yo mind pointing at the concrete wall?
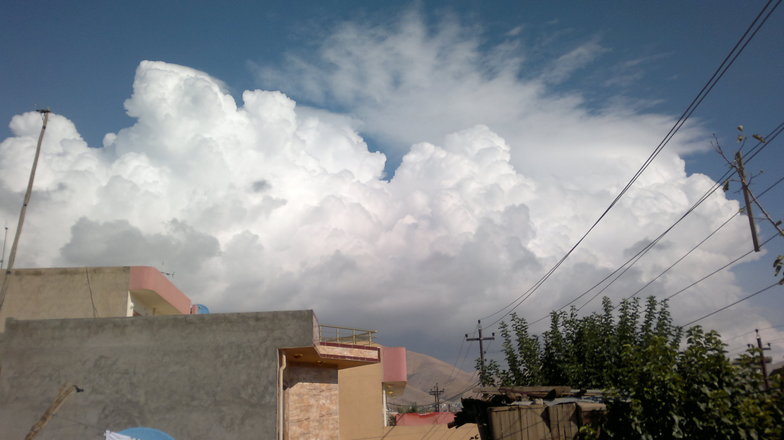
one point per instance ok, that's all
(66, 293)
(193, 376)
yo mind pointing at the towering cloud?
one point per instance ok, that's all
(262, 205)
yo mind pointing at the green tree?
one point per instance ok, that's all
(522, 354)
(490, 376)
(554, 352)
(658, 387)
(695, 393)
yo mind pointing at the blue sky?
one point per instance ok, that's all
(81, 62)
(646, 58)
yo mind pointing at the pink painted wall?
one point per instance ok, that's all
(149, 278)
(433, 418)
(393, 361)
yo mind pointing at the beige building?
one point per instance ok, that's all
(90, 292)
(324, 382)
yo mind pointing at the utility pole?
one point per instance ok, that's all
(436, 393)
(762, 360)
(747, 199)
(5, 238)
(26, 201)
(481, 349)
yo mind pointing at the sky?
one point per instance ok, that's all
(409, 167)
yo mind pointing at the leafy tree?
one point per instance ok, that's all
(695, 393)
(658, 387)
(554, 356)
(513, 374)
(528, 352)
(491, 375)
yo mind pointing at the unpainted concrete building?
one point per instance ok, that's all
(143, 360)
(90, 292)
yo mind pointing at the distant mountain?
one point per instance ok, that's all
(424, 372)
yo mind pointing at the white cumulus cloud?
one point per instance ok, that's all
(262, 205)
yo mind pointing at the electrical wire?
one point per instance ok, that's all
(720, 269)
(730, 305)
(454, 364)
(728, 61)
(726, 222)
(637, 257)
(756, 150)
(726, 265)
(752, 331)
(623, 268)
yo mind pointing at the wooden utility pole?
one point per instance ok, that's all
(747, 199)
(436, 393)
(26, 201)
(481, 348)
(762, 360)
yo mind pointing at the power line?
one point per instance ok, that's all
(752, 331)
(633, 260)
(458, 359)
(753, 152)
(719, 269)
(728, 61)
(700, 243)
(726, 222)
(465, 390)
(730, 305)
(736, 259)
(637, 257)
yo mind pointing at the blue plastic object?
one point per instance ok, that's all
(142, 433)
(201, 309)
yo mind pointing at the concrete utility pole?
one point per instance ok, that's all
(481, 348)
(747, 199)
(762, 360)
(26, 201)
(436, 393)
(5, 238)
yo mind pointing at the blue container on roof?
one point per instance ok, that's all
(142, 433)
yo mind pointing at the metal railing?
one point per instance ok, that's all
(346, 335)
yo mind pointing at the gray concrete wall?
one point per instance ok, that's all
(66, 293)
(193, 376)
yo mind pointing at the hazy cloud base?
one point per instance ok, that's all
(261, 205)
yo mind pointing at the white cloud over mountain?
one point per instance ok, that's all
(260, 204)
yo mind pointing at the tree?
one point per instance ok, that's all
(658, 387)
(522, 354)
(694, 393)
(554, 357)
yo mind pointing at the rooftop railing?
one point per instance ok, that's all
(346, 335)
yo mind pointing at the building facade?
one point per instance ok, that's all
(90, 292)
(142, 360)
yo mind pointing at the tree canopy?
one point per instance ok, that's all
(659, 384)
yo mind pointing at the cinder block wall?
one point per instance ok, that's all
(193, 376)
